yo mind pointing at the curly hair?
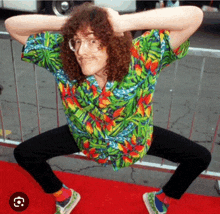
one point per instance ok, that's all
(118, 48)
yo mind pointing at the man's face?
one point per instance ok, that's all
(90, 56)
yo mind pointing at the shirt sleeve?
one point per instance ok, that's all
(153, 50)
(43, 49)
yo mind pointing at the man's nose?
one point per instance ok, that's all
(83, 48)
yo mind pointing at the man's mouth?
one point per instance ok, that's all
(86, 60)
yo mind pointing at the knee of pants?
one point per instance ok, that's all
(22, 157)
(205, 158)
(18, 155)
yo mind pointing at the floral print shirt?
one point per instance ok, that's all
(114, 124)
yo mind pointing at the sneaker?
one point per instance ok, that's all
(149, 200)
(67, 209)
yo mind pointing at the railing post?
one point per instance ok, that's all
(57, 105)
(16, 89)
(1, 115)
(196, 104)
(172, 90)
(2, 123)
(217, 186)
(37, 103)
(215, 135)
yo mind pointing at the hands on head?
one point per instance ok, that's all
(115, 20)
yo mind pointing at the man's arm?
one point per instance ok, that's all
(182, 22)
(22, 26)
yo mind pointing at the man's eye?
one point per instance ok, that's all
(76, 41)
(93, 41)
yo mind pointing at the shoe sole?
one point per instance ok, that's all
(74, 204)
(148, 206)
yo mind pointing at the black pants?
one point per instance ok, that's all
(192, 158)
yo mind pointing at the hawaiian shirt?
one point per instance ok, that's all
(113, 124)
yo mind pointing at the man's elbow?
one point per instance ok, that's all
(13, 30)
(8, 24)
(198, 16)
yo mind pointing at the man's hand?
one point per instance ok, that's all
(115, 20)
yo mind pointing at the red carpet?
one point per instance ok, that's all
(99, 196)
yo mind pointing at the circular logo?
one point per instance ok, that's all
(19, 201)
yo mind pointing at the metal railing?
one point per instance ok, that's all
(161, 166)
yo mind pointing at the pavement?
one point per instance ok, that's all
(187, 92)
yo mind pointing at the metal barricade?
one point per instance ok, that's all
(201, 54)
